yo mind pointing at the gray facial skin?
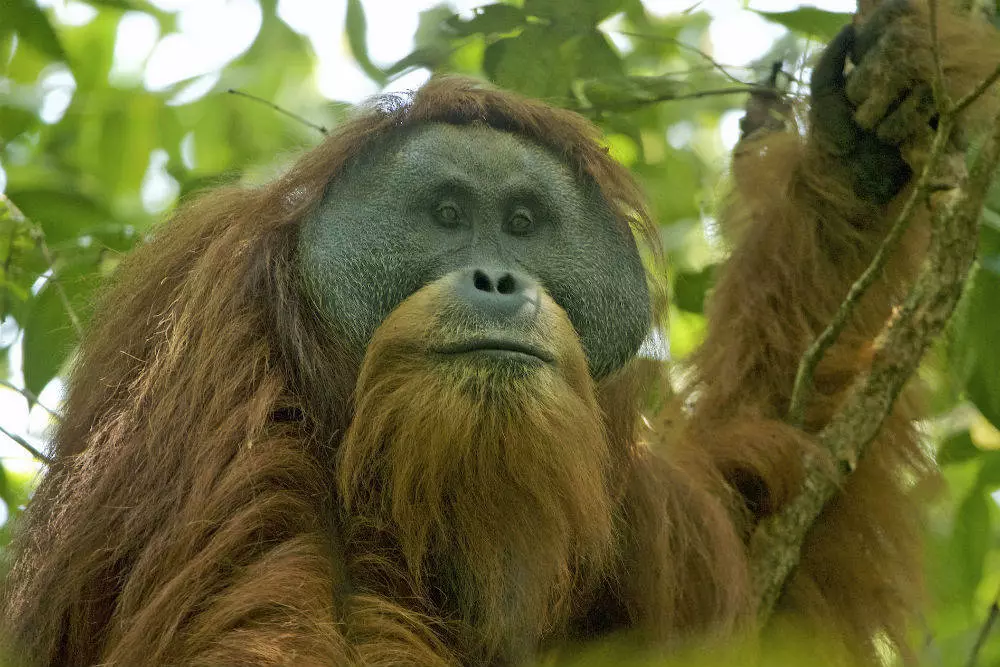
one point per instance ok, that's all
(444, 197)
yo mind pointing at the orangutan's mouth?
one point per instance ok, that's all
(500, 347)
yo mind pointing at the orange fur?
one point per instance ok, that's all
(524, 452)
(232, 486)
(800, 238)
(194, 477)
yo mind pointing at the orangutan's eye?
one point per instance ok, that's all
(521, 222)
(447, 214)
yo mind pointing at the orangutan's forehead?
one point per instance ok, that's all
(479, 150)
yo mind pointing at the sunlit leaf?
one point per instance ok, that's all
(593, 55)
(569, 17)
(357, 38)
(687, 331)
(30, 22)
(63, 215)
(810, 21)
(17, 487)
(488, 20)
(529, 64)
(977, 328)
(92, 48)
(14, 121)
(429, 56)
(48, 338)
(433, 44)
(21, 262)
(536, 64)
(120, 4)
(49, 331)
(622, 148)
(114, 134)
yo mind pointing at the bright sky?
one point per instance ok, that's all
(200, 48)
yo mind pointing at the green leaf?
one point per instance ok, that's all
(21, 263)
(690, 289)
(430, 57)
(48, 338)
(593, 55)
(623, 148)
(4, 487)
(63, 215)
(119, 4)
(49, 332)
(989, 471)
(810, 21)
(977, 330)
(539, 64)
(568, 17)
(989, 235)
(357, 38)
(991, 218)
(971, 540)
(113, 136)
(30, 22)
(529, 63)
(434, 44)
(17, 488)
(489, 20)
(14, 121)
(679, 202)
(432, 28)
(91, 48)
(957, 449)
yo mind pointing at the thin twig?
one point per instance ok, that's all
(984, 632)
(294, 116)
(671, 97)
(802, 389)
(30, 396)
(746, 88)
(688, 47)
(27, 446)
(978, 92)
(941, 98)
(948, 113)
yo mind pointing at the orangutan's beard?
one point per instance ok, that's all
(490, 478)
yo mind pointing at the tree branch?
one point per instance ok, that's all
(27, 446)
(687, 47)
(674, 97)
(776, 544)
(941, 99)
(802, 388)
(294, 116)
(979, 91)
(30, 396)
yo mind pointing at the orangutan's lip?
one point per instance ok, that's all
(499, 347)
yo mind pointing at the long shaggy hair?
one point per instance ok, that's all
(234, 485)
(191, 514)
(497, 477)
